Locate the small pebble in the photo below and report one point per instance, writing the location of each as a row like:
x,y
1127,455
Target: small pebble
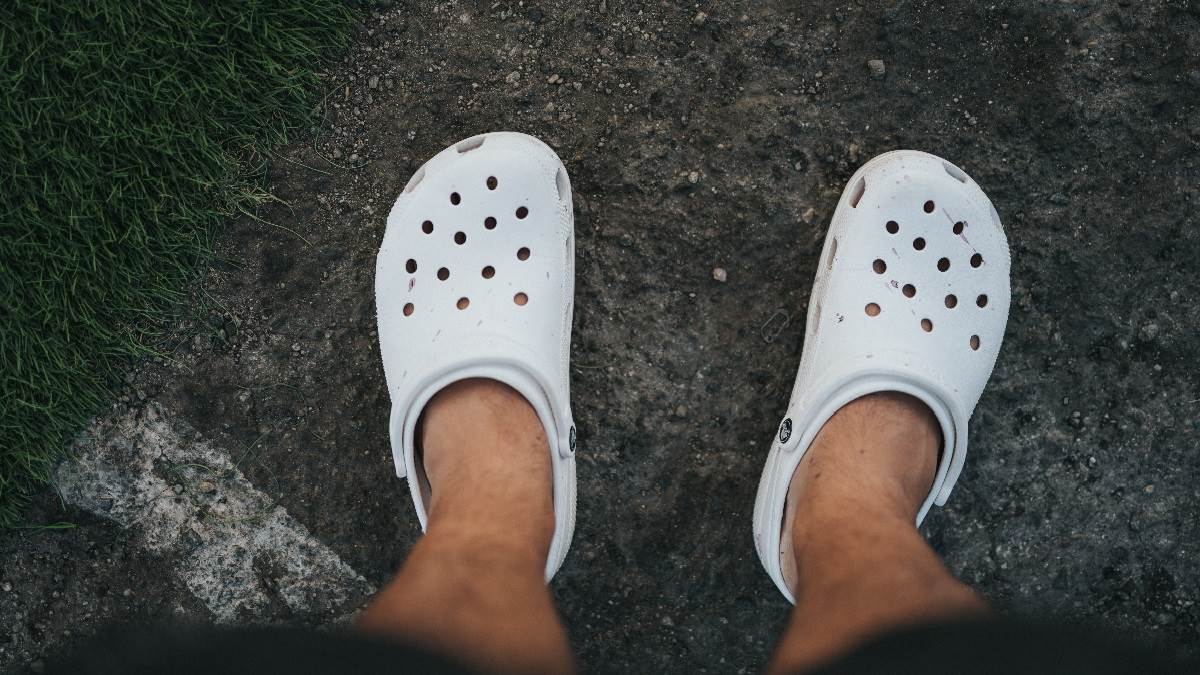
x,y
877,67
720,274
699,19
7,587
373,82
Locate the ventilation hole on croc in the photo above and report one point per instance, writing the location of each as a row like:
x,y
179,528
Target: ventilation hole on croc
x,y
872,309
879,266
463,303
411,266
919,244
951,301
521,299
492,182
443,274
976,260
427,227
455,198
470,144
489,272
489,223
975,342
943,264
981,301
460,238
408,309
832,253
958,227
523,253
522,212
929,206
415,180
909,290
954,171
892,227
856,194
927,325
564,188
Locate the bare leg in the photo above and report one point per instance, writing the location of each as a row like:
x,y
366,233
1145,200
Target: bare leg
x,y
861,566
473,587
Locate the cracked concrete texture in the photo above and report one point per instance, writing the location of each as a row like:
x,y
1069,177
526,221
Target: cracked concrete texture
x,y
237,551
696,143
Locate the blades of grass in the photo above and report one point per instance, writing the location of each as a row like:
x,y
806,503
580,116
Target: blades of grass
x,y
131,133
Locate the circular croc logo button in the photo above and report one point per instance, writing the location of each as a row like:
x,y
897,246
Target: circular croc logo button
x,y
785,430
571,439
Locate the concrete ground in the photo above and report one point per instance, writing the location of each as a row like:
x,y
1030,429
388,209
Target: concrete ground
x,y
245,477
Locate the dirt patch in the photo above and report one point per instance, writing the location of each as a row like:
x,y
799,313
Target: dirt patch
x,y
719,137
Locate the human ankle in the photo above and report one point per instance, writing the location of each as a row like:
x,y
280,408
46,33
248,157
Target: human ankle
x,y
474,428
472,546
487,461
876,454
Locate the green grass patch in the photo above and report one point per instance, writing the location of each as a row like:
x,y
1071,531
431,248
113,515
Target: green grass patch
x,y
129,132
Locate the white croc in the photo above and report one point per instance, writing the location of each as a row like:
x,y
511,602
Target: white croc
x,y
911,295
475,278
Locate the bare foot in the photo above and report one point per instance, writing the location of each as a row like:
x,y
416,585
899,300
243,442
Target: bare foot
x,y
887,444
474,586
852,555
481,439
